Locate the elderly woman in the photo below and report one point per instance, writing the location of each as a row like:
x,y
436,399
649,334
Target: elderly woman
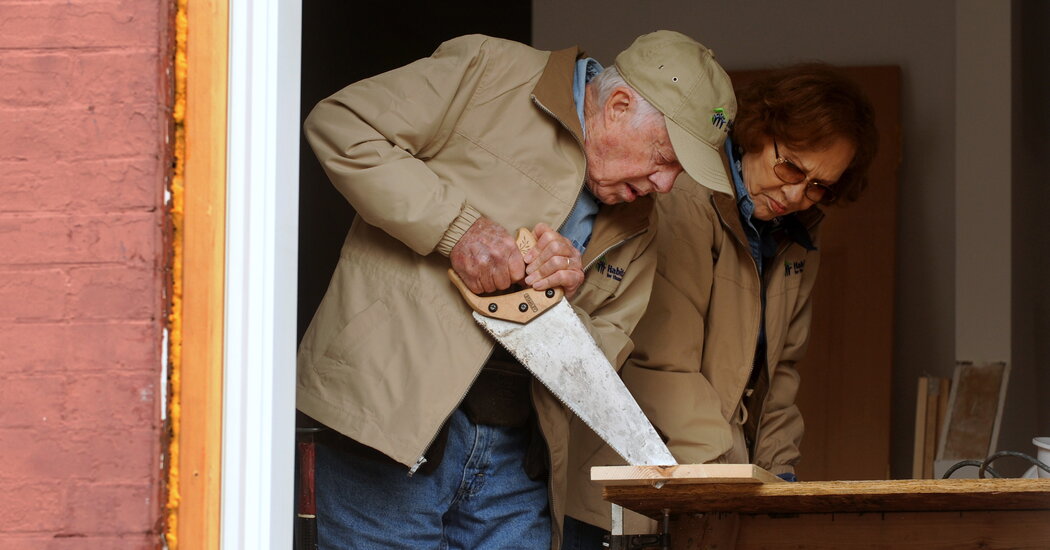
x,y
715,353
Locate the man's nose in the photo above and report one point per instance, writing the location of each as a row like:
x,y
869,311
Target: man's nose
x,y
663,180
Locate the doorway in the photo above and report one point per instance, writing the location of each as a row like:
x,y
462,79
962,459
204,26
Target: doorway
x,y
344,42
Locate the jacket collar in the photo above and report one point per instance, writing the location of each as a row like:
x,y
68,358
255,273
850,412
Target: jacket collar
x,y
729,212
553,91
617,223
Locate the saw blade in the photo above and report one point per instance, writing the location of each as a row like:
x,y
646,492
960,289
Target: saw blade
x,y
557,349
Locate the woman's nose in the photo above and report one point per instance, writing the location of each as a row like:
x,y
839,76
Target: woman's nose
x,y
795,192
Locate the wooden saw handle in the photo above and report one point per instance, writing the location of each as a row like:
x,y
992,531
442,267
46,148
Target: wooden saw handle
x,y
519,307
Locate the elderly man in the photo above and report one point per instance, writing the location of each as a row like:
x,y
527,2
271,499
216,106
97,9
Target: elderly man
x,y
439,439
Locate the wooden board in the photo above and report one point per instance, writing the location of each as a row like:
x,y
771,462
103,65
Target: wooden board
x,y
974,410
930,409
832,496
682,474
894,531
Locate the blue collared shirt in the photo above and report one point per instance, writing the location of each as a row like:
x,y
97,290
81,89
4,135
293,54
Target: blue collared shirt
x,y
752,227
580,223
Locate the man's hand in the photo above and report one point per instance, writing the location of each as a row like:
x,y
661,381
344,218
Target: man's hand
x,y
553,262
486,258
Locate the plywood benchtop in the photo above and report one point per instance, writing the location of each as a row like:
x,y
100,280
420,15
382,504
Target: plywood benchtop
x,y
745,488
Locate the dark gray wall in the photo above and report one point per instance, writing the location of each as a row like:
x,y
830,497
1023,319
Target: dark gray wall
x,y
1031,196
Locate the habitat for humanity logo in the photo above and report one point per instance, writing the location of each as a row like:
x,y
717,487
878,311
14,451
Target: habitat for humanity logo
x,y
610,271
719,120
794,267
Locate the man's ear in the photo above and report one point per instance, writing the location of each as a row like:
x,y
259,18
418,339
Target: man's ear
x,y
618,106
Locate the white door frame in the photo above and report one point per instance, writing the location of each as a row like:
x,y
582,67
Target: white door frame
x,y
261,250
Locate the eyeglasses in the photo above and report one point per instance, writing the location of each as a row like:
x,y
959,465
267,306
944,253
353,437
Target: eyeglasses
x,y
791,174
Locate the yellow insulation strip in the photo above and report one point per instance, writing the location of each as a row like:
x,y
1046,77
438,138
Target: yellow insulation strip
x,y
175,318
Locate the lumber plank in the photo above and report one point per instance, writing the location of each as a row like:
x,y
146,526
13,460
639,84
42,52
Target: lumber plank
x,y
682,474
832,496
918,461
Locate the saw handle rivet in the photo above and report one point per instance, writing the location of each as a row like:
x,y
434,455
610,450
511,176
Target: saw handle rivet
x,y
523,307
493,308
549,293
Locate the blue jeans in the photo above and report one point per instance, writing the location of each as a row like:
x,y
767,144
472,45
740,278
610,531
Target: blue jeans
x,y
582,536
478,498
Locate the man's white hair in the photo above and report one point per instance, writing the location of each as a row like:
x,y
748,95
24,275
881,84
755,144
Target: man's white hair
x,y
610,79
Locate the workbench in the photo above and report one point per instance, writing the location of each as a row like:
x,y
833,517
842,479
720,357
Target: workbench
x,y
767,513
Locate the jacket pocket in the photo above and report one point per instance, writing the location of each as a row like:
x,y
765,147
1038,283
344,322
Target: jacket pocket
x,y
357,333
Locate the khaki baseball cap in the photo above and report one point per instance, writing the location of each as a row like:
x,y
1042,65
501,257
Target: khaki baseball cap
x,y
680,77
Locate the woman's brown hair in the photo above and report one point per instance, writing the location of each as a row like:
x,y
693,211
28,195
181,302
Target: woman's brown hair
x,y
806,106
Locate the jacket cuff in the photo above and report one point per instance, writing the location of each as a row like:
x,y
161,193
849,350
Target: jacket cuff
x,y
466,218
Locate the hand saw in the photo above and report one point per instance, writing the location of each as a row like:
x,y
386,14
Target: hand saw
x,y
542,331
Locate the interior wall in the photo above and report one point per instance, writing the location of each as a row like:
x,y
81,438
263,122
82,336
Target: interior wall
x,y
919,37
1031,315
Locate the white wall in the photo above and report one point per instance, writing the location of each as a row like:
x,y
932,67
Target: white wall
x,y
920,38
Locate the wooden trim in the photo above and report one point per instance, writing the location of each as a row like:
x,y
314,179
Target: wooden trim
x,y
200,437
992,530
833,496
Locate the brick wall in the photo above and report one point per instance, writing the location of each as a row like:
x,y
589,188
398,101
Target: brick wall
x,y
84,110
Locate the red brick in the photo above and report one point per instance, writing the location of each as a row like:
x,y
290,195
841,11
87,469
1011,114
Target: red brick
x,y
82,187
55,78
130,347
121,292
31,400
124,401
98,509
49,239
119,77
33,294
82,133
74,541
34,79
31,507
80,23
94,451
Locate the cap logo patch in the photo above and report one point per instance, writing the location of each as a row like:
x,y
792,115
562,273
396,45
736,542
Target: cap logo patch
x,y
719,120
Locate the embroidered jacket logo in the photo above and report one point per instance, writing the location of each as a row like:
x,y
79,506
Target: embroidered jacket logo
x,y
610,271
794,267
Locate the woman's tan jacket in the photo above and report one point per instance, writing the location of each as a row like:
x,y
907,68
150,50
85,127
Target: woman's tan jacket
x,y
482,127
695,346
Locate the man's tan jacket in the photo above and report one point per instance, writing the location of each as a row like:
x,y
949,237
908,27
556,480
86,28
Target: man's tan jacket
x,y
695,346
482,127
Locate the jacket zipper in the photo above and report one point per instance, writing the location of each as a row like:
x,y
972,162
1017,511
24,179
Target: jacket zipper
x,y
747,246
761,411
779,252
423,459
583,149
611,247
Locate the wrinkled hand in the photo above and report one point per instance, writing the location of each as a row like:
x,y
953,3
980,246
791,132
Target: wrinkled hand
x,y
486,258
553,262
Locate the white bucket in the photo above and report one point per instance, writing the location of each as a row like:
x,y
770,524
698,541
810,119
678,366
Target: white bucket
x,y
1042,444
